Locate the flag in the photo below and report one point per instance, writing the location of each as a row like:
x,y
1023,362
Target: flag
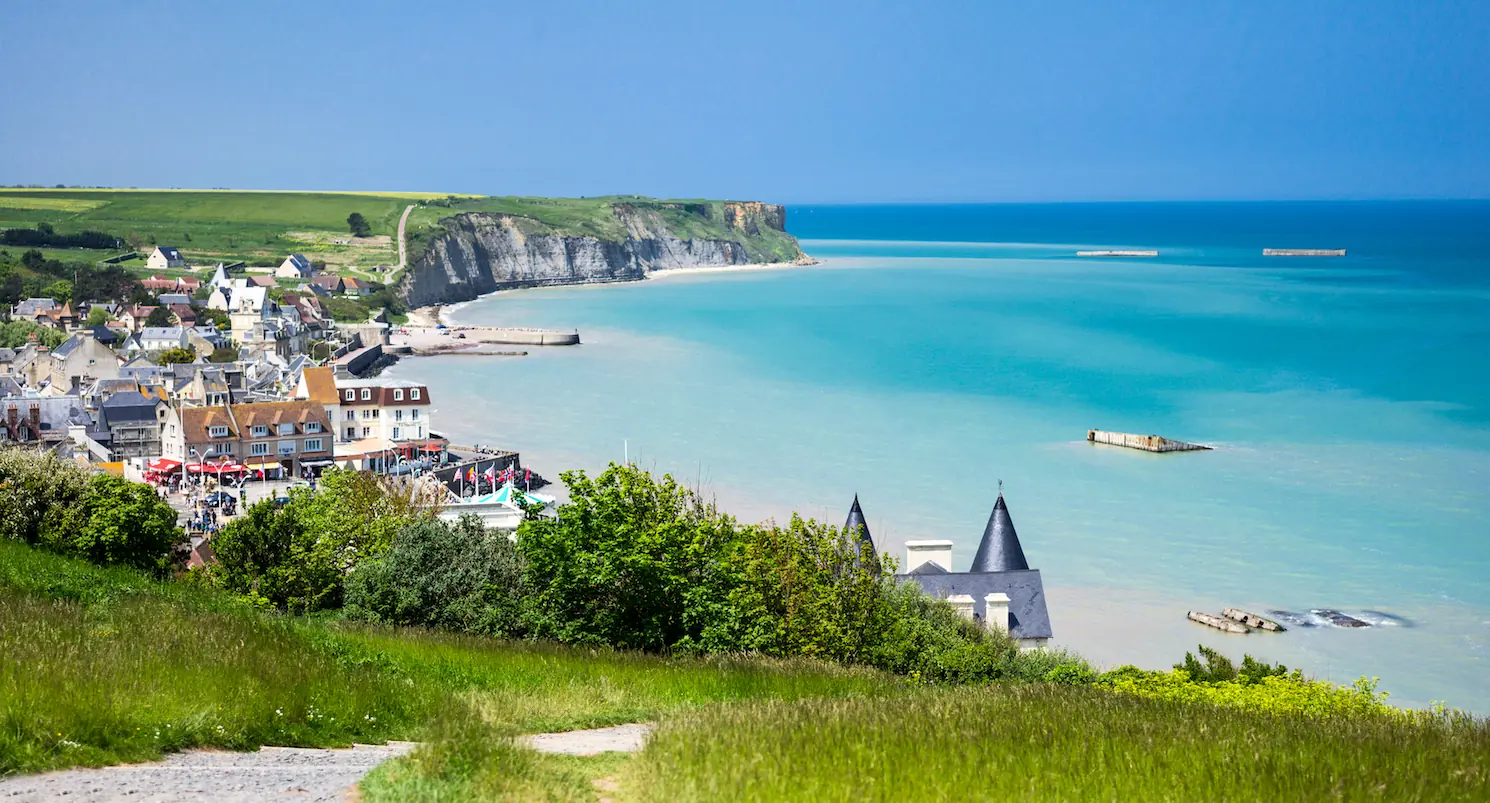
x,y
471,474
491,474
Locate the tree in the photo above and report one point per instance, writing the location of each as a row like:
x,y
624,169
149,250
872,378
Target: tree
x,y
457,576
160,316
358,224
216,317
119,523
297,557
97,316
175,356
60,290
623,562
223,354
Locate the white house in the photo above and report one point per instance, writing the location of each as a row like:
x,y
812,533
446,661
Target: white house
x,y
295,266
164,257
160,338
390,409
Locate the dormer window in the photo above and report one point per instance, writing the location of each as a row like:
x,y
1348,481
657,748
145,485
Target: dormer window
x,y
260,431
414,393
218,431
287,429
366,394
398,394
351,395
313,426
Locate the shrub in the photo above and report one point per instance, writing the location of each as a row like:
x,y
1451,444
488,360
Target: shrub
x,y
108,520
297,557
459,577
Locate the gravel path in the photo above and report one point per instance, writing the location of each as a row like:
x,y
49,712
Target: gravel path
x,y
272,773
621,738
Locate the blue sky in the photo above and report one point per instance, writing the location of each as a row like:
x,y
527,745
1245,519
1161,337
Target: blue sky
x,y
794,101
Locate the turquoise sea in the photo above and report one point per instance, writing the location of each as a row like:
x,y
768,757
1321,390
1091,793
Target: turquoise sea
x,y
940,349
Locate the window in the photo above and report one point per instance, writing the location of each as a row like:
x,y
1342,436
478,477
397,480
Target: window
x,y
414,393
367,432
366,394
312,444
398,415
257,449
398,394
312,426
287,429
376,412
351,395
259,431
396,435
218,432
366,414
286,447
351,415
414,414
351,433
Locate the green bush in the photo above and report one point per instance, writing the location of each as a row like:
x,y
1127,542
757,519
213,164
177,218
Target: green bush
x,y
297,557
459,577
108,520
641,563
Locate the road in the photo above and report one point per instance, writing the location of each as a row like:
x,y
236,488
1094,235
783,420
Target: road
x,y
403,221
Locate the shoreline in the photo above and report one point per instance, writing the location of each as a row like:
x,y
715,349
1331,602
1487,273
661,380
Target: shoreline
x,y
434,314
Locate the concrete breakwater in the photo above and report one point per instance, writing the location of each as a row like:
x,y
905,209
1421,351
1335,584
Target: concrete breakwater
x,y
1147,443
1129,253
1303,252
523,337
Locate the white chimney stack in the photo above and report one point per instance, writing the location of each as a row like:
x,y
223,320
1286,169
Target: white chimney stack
x,y
919,553
997,613
963,604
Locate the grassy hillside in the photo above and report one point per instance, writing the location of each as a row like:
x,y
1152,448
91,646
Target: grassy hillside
x,y
105,665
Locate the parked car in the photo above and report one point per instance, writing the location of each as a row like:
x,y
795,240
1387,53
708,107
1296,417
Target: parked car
x,y
218,498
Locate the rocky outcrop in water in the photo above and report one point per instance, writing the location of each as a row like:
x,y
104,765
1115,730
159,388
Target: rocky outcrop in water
x,y
479,252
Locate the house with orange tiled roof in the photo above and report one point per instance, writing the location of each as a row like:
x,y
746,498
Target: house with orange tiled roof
x,y
288,436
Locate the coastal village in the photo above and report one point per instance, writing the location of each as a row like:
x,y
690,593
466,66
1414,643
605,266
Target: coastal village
x,y
231,386
248,388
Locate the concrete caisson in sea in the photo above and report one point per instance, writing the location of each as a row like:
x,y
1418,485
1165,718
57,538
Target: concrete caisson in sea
x,y
999,590
1147,443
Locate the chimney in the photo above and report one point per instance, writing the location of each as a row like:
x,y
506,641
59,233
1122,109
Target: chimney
x,y
920,553
997,614
12,417
36,421
963,604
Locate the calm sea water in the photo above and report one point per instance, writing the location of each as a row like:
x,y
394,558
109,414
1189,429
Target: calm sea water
x,y
940,349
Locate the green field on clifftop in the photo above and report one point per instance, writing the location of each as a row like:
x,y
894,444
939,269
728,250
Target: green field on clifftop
x,y
211,226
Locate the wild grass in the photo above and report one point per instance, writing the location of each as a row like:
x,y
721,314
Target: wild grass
x,y
1037,742
94,685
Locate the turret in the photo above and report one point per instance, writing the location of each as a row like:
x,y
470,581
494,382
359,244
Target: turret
x,y
999,550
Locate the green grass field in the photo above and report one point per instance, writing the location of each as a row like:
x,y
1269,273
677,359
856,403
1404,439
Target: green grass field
x,y
104,666
211,226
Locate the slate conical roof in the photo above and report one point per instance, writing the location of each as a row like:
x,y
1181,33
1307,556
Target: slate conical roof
x,y
999,551
856,526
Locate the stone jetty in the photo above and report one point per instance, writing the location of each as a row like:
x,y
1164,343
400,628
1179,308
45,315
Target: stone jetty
x,y
1147,443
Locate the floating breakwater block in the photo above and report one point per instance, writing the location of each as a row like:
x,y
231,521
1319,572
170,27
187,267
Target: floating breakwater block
x,y
1252,620
1337,618
1219,622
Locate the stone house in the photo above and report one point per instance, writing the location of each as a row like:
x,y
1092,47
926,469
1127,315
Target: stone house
x,y
289,435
